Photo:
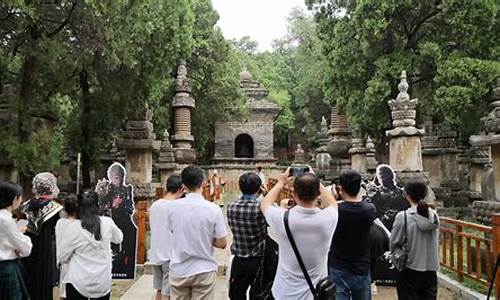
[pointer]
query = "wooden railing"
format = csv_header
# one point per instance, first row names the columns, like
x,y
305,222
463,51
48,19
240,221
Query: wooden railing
x,y
471,250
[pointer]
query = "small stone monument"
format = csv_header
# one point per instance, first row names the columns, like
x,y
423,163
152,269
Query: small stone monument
x,y
139,143
358,152
492,139
166,160
371,160
300,155
323,158
492,126
340,142
183,104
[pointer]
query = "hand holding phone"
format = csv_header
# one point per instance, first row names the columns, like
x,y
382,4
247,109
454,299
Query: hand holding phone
x,y
299,171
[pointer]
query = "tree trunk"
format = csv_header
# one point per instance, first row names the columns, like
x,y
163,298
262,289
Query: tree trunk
x,y
84,119
24,114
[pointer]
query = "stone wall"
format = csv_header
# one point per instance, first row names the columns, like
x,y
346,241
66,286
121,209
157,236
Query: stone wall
x,y
260,132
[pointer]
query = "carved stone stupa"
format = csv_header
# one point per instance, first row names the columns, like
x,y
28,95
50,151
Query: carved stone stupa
x,y
183,104
405,153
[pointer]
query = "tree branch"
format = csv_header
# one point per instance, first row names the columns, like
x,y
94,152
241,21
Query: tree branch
x,y
65,22
411,41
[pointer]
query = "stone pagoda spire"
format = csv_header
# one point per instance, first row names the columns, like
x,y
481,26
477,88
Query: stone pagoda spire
x,y
358,152
183,104
166,160
405,147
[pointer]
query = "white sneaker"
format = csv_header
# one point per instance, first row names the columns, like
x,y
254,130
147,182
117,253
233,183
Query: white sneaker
x,y
374,289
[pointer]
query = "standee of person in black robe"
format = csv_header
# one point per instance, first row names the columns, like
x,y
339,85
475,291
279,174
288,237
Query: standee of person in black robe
x,y
42,214
388,199
116,200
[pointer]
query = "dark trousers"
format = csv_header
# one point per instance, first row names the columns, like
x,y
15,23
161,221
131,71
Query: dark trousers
x,y
72,294
243,272
416,285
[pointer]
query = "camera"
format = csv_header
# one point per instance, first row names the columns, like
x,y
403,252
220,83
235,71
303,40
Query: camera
x,y
299,171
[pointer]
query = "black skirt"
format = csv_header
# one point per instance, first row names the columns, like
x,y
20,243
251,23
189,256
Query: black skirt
x,y
12,281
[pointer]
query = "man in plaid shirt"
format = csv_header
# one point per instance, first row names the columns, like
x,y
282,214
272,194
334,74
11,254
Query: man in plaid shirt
x,y
249,229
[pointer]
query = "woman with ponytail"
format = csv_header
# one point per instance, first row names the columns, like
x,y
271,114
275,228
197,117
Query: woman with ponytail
x,y
417,229
85,245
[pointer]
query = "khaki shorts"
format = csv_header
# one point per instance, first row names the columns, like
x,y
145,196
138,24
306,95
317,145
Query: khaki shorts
x,y
197,287
161,277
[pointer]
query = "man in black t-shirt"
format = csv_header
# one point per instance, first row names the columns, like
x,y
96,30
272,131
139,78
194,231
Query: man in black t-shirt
x,y
349,259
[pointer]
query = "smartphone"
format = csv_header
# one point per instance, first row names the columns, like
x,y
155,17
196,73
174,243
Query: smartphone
x,y
299,171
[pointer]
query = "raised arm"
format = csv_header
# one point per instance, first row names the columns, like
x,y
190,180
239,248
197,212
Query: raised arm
x,y
274,193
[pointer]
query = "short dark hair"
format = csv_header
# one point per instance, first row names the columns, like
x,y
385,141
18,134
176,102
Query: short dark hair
x,y
307,187
192,177
350,181
249,183
416,189
174,183
259,168
8,192
71,205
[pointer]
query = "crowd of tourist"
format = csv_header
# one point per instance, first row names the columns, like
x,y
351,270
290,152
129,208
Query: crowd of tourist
x,y
324,243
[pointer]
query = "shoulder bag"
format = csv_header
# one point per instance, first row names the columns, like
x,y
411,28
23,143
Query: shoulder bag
x,y
325,289
399,255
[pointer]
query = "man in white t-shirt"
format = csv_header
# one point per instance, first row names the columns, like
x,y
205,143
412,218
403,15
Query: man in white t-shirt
x,y
312,230
161,237
197,227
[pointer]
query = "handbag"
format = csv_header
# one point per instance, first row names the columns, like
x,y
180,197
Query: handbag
x,y
263,281
325,288
399,254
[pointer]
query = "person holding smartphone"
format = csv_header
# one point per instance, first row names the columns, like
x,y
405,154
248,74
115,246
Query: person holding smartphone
x,y
312,229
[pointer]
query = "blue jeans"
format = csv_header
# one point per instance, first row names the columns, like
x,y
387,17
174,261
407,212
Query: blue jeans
x,y
351,286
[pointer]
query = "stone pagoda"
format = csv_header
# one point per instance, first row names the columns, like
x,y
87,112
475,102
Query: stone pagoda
x,y
340,142
138,142
492,139
405,149
323,158
405,153
165,163
248,141
183,105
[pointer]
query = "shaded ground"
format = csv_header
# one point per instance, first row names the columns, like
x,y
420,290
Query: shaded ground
x,y
143,288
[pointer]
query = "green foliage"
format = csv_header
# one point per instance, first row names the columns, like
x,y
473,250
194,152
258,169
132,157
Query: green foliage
x,y
42,151
368,43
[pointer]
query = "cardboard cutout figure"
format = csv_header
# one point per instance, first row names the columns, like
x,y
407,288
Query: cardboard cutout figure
x,y
116,200
388,198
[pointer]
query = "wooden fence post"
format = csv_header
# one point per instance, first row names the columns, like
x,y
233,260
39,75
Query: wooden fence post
x,y
142,207
495,223
460,254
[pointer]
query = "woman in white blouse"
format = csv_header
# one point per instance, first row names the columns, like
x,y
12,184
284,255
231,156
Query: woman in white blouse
x,y
85,245
13,244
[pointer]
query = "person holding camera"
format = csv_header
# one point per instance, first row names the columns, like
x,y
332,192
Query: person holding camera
x,y
250,241
349,260
312,229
